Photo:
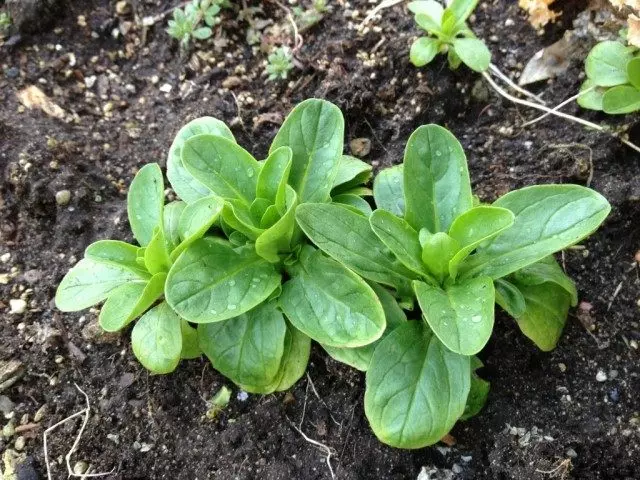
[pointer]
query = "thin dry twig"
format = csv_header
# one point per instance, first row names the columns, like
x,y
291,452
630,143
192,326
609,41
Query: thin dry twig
x,y
560,471
615,294
381,6
496,71
315,392
558,107
320,445
298,41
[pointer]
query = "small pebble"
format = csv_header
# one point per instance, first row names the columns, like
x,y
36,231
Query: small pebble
x,y
63,197
5,257
19,444
562,367
80,467
601,376
614,395
242,396
39,415
166,88
571,453
18,306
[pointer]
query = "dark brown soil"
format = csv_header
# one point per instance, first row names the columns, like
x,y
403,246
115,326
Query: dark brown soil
x,y
547,415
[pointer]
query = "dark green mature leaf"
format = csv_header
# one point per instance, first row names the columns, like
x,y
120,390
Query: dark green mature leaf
x,y
331,304
115,251
620,100
473,53
145,202
633,72
314,130
388,190
416,388
129,301
277,238
606,64
509,298
90,282
546,270
223,166
211,281
187,187
360,357
352,172
247,349
423,50
436,180
274,175
548,219
462,315
156,339
354,201
196,219
171,217
478,393
347,237
190,342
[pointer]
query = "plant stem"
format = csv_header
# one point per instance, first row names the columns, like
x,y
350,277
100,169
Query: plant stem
x,y
514,85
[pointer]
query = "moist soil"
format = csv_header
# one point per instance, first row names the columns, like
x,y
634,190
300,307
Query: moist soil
x,y
570,413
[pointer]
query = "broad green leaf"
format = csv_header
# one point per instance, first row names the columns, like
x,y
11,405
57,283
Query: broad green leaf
x,y
633,72
620,100
171,221
436,180
237,216
358,191
400,238
475,226
145,202
590,96
462,315
354,201
331,304
548,219
196,219
423,50
129,301
546,270
545,315
388,190
156,255
156,339
277,238
90,282
190,341
223,166
347,237
427,23
438,251
478,392
314,130
187,187
274,175
351,173
416,389
509,298
247,349
115,251
606,64
473,53
360,357
211,281
431,8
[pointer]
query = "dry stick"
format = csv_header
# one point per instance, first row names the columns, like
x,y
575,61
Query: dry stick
x,y
313,388
566,116
298,41
558,107
514,85
378,8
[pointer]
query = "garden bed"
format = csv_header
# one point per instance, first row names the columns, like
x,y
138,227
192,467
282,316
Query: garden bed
x,y
571,413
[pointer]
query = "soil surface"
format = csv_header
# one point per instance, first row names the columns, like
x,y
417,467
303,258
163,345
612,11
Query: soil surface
x,y
126,90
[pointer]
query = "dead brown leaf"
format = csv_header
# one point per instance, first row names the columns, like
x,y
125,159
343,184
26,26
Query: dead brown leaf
x,y
539,12
32,97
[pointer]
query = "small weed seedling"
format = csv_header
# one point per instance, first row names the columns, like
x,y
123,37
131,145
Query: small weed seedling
x,y
613,79
431,241
5,23
230,258
448,33
195,21
279,64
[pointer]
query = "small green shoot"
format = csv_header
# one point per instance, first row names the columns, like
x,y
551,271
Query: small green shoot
x,y
279,64
195,21
218,403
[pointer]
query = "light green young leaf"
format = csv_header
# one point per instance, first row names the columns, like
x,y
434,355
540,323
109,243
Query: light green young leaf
x,y
360,357
633,72
436,179
145,202
438,251
548,219
430,8
416,389
423,50
156,339
388,190
156,255
478,393
129,301
90,282
509,298
248,349
211,281
274,176
453,59
115,251
462,315
223,166
331,304
270,217
621,100
354,201
171,221
196,219
352,172
546,270
473,53
190,341
592,97
475,226
606,64
462,9
314,130
258,208
347,237
400,238
277,238
187,187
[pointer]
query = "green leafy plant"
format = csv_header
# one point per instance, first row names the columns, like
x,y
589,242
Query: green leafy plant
x,y
613,79
430,241
5,23
229,257
195,21
279,64
448,33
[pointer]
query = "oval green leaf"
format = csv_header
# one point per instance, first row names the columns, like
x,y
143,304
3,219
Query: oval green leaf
x,y
145,202
423,50
388,190
606,64
156,339
473,53
621,100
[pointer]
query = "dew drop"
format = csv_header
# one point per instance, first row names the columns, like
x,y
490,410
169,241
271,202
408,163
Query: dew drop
x,y
476,318
212,312
438,153
249,172
232,307
232,283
